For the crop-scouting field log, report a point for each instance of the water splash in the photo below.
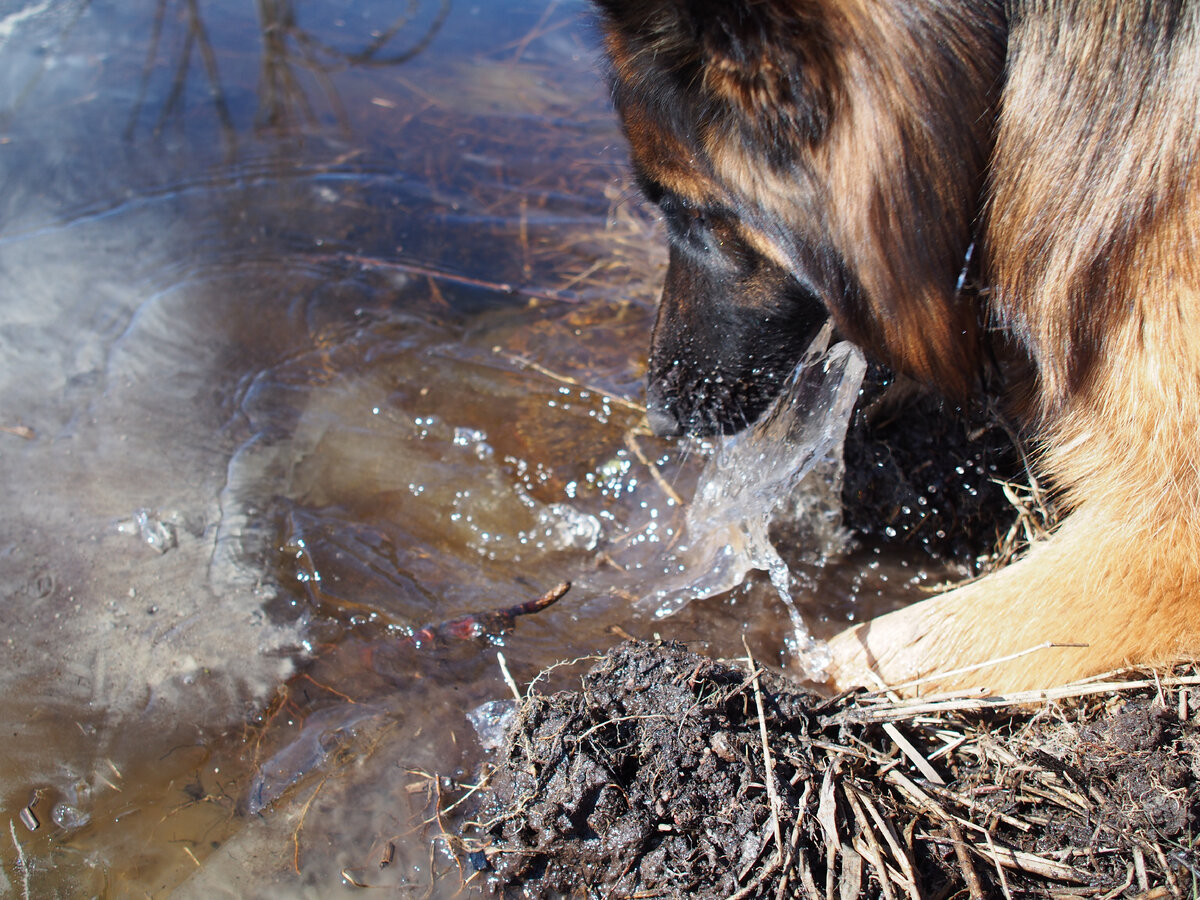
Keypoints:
(753, 478)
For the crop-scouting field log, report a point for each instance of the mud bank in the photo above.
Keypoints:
(668, 774)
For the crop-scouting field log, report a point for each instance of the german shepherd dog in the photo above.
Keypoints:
(838, 158)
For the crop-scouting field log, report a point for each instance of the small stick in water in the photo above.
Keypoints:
(496, 621)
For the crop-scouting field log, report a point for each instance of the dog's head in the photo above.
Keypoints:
(810, 158)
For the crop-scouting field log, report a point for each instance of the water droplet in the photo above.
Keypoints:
(69, 817)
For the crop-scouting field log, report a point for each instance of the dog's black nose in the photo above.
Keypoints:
(662, 422)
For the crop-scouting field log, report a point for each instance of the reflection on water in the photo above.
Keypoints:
(320, 323)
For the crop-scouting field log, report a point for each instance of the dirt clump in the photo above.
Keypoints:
(668, 774)
(656, 760)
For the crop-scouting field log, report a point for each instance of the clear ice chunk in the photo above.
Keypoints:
(752, 476)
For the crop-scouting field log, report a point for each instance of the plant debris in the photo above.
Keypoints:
(668, 774)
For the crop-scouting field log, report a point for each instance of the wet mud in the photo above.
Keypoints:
(664, 773)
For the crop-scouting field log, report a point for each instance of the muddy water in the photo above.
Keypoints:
(316, 326)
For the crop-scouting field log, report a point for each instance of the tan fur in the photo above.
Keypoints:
(1095, 238)
(1089, 135)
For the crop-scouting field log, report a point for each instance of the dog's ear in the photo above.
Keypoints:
(763, 66)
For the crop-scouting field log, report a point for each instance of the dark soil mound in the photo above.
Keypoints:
(672, 775)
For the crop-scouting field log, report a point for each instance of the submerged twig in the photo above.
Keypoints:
(632, 443)
(487, 622)
(22, 864)
(526, 362)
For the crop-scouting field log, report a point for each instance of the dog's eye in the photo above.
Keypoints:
(685, 221)
(705, 232)
(651, 190)
(702, 229)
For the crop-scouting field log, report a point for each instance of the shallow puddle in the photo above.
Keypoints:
(317, 327)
